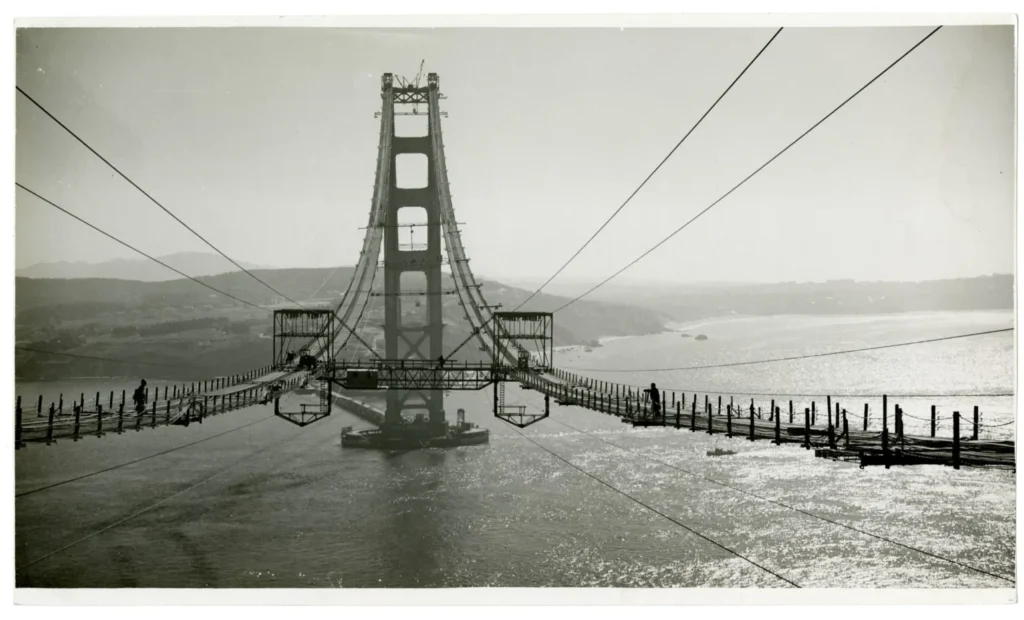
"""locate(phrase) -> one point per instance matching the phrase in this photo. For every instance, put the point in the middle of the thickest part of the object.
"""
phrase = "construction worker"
(655, 399)
(139, 397)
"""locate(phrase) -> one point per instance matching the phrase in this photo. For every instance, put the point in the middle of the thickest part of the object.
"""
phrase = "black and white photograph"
(648, 304)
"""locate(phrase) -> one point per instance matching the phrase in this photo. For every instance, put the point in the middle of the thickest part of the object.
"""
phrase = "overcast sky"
(264, 140)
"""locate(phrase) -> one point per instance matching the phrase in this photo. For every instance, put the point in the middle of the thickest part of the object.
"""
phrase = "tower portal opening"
(411, 171)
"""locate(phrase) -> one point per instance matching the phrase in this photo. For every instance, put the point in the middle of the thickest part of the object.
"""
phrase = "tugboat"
(358, 439)
(417, 434)
(720, 452)
(466, 433)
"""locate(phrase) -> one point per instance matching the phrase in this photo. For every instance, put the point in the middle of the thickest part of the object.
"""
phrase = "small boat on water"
(414, 435)
(381, 440)
(720, 452)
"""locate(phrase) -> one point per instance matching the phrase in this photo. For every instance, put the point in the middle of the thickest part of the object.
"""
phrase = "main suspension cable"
(138, 251)
(788, 507)
(157, 504)
(656, 511)
(751, 175)
(140, 459)
(653, 172)
(147, 195)
(165, 209)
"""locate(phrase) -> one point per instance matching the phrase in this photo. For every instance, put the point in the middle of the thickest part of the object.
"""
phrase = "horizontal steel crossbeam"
(415, 293)
(418, 96)
(410, 261)
(415, 375)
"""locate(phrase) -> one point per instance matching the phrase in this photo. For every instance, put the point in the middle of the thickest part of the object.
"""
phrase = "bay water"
(248, 500)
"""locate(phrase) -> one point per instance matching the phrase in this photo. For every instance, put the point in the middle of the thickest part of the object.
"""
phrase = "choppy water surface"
(261, 503)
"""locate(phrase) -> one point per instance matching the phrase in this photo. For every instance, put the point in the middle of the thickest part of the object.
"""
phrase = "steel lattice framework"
(298, 331)
(406, 335)
(409, 374)
(413, 367)
(531, 334)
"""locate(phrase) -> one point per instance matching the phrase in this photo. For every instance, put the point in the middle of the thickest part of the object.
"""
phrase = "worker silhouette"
(655, 399)
(139, 397)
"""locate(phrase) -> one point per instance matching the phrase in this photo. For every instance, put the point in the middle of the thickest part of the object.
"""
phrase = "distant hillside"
(694, 301)
(295, 283)
(182, 323)
(141, 269)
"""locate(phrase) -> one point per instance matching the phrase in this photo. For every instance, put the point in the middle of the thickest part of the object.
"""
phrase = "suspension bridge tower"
(413, 315)
(414, 369)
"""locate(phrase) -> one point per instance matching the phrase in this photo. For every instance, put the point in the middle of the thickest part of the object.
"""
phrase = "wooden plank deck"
(827, 439)
(96, 420)
(805, 429)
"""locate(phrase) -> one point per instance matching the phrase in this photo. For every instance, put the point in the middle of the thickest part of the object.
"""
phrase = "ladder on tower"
(324, 392)
(308, 412)
(517, 415)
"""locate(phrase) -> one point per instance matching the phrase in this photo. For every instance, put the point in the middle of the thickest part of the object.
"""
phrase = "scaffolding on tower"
(412, 368)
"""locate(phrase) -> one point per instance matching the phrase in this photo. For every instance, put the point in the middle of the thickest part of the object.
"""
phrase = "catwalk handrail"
(104, 416)
(374, 229)
(453, 241)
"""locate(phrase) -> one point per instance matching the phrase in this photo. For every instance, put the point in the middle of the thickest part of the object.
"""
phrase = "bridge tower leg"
(413, 324)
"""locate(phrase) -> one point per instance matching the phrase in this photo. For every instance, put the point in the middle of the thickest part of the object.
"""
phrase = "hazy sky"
(264, 140)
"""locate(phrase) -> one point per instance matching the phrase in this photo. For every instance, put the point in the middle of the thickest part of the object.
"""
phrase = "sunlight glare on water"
(273, 505)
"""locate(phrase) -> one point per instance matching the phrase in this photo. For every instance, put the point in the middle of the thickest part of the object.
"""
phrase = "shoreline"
(668, 328)
(697, 323)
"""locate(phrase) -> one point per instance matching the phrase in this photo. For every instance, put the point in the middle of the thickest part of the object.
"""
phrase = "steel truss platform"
(530, 334)
(414, 375)
(308, 412)
(302, 331)
(304, 339)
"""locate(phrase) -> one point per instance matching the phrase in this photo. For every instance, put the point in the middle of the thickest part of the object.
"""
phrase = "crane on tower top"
(413, 83)
(416, 84)
(419, 75)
